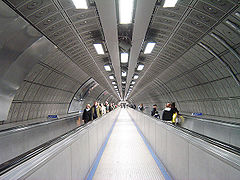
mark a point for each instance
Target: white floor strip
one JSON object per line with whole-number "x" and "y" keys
{"x": 126, "y": 156}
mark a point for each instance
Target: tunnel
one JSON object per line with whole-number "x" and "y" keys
{"x": 57, "y": 56}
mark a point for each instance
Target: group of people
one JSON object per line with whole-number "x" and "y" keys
{"x": 97, "y": 110}
{"x": 170, "y": 113}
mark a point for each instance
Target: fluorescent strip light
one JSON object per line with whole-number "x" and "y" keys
{"x": 124, "y": 57}
{"x": 133, "y": 82}
{"x": 107, "y": 67}
{"x": 170, "y": 3}
{"x": 140, "y": 67}
{"x": 99, "y": 48}
{"x": 111, "y": 77}
{"x": 80, "y": 4}
{"x": 114, "y": 82}
{"x": 135, "y": 76}
{"x": 124, "y": 74}
{"x": 149, "y": 47}
{"x": 125, "y": 11}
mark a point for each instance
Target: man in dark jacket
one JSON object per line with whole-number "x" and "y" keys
{"x": 154, "y": 110}
{"x": 94, "y": 111}
{"x": 87, "y": 114}
{"x": 167, "y": 113}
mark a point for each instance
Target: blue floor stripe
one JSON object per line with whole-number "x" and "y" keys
{"x": 95, "y": 165}
{"x": 159, "y": 164}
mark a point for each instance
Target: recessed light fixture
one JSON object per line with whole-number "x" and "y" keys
{"x": 140, "y": 67}
{"x": 124, "y": 74}
{"x": 107, "y": 67}
{"x": 170, "y": 3}
{"x": 149, "y": 47}
{"x": 80, "y": 4}
{"x": 111, "y": 77}
{"x": 135, "y": 76}
{"x": 124, "y": 57}
{"x": 99, "y": 48}
{"x": 125, "y": 11}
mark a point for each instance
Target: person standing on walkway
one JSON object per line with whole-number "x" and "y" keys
{"x": 87, "y": 114}
{"x": 95, "y": 110}
{"x": 167, "y": 113}
{"x": 154, "y": 110}
{"x": 103, "y": 108}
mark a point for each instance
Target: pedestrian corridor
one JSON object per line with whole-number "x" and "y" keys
{"x": 126, "y": 156}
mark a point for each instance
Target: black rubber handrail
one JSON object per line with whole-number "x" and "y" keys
{"x": 10, "y": 164}
{"x": 231, "y": 148}
{"x": 29, "y": 126}
{"x": 228, "y": 147}
{"x": 213, "y": 120}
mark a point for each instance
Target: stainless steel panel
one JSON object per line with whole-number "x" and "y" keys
{"x": 80, "y": 156}
{"x": 57, "y": 168}
{"x": 16, "y": 36}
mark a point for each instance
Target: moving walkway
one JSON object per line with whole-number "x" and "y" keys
{"x": 131, "y": 145}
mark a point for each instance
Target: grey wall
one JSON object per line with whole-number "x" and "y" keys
{"x": 71, "y": 158}
{"x": 193, "y": 77}
{"x": 36, "y": 77}
{"x": 184, "y": 156}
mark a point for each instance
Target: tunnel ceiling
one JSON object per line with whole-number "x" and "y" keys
{"x": 177, "y": 32}
{"x": 72, "y": 30}
{"x": 195, "y": 60}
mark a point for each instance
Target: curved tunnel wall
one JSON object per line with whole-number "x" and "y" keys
{"x": 198, "y": 82}
{"x": 205, "y": 78}
{"x": 46, "y": 79}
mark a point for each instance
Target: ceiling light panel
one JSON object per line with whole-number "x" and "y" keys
{"x": 124, "y": 74}
{"x": 111, "y": 77}
{"x": 80, "y": 4}
{"x": 140, "y": 67}
{"x": 124, "y": 57}
{"x": 99, "y": 48}
{"x": 170, "y": 3}
{"x": 135, "y": 76}
{"x": 149, "y": 47}
{"x": 107, "y": 67}
{"x": 125, "y": 11}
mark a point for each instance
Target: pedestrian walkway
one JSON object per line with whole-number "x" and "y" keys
{"x": 126, "y": 156}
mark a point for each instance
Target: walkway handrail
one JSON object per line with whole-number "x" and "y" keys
{"x": 215, "y": 142}
{"x": 32, "y": 125}
{"x": 12, "y": 163}
{"x": 221, "y": 122}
